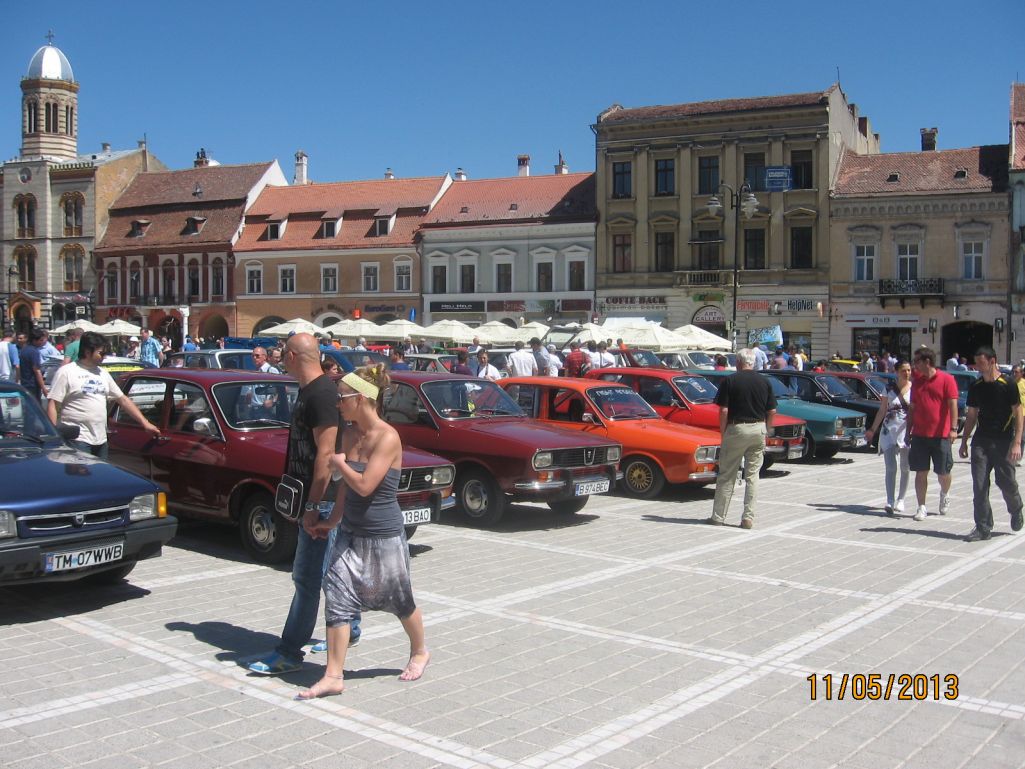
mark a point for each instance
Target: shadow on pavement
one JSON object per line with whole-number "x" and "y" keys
{"x": 520, "y": 518}
{"x": 213, "y": 539}
{"x": 928, "y": 532}
{"x": 877, "y": 512}
{"x": 688, "y": 521}
{"x": 42, "y": 601}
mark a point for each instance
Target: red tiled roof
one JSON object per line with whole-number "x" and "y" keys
{"x": 160, "y": 188}
{"x": 303, "y": 232}
{"x": 560, "y": 197}
{"x": 663, "y": 111}
{"x": 167, "y": 225}
{"x": 388, "y": 194}
{"x": 1018, "y": 126}
{"x": 924, "y": 172}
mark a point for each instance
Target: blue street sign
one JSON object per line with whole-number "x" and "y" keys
{"x": 777, "y": 178}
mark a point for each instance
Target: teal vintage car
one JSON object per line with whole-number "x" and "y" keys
{"x": 829, "y": 428}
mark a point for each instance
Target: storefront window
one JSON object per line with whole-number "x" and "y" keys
{"x": 799, "y": 340}
{"x": 875, "y": 340}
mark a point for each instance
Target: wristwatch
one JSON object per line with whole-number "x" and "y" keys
{"x": 320, "y": 507}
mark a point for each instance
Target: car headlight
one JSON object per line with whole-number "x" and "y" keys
{"x": 542, "y": 459}
{"x": 8, "y": 524}
{"x": 147, "y": 506}
{"x": 614, "y": 454}
{"x": 443, "y": 476}
{"x": 706, "y": 454}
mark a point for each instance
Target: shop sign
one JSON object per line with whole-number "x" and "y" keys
{"x": 883, "y": 320}
{"x": 794, "y": 304}
{"x": 711, "y": 315}
{"x": 384, "y": 308}
{"x": 753, "y": 305}
{"x": 635, "y": 301}
{"x": 122, "y": 311}
{"x": 767, "y": 335}
{"x": 574, "y": 305}
{"x": 457, "y": 307}
{"x": 710, "y": 297}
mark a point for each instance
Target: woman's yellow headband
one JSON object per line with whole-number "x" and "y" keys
{"x": 362, "y": 386}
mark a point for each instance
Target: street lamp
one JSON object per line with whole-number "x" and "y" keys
{"x": 744, "y": 200}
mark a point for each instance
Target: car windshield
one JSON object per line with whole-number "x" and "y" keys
{"x": 696, "y": 389}
{"x": 835, "y": 386}
{"x": 469, "y": 399}
{"x": 256, "y": 404}
{"x": 21, "y": 418}
{"x": 621, "y": 403}
{"x": 646, "y": 358}
{"x": 701, "y": 359}
{"x": 779, "y": 389}
{"x": 878, "y": 383}
{"x": 560, "y": 336}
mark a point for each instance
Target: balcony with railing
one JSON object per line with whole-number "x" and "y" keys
{"x": 917, "y": 288}
{"x": 703, "y": 278}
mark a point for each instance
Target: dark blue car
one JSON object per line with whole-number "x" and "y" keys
{"x": 65, "y": 515}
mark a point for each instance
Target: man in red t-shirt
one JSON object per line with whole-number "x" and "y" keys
{"x": 933, "y": 420}
{"x": 576, "y": 359}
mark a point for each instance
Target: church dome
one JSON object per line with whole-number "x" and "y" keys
{"x": 50, "y": 63}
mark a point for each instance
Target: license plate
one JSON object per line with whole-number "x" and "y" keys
{"x": 78, "y": 559}
{"x": 592, "y": 487}
{"x": 859, "y": 442}
{"x": 795, "y": 452}
{"x": 419, "y": 515}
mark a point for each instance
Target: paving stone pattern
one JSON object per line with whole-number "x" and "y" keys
{"x": 629, "y": 635}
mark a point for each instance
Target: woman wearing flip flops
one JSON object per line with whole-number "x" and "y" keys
{"x": 370, "y": 569}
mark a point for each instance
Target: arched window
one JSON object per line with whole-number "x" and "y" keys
{"x": 73, "y": 256}
{"x": 73, "y": 206}
{"x": 32, "y": 117}
{"x": 110, "y": 286}
{"x": 69, "y": 121}
{"x": 217, "y": 282}
{"x": 25, "y": 205}
{"x": 50, "y": 117}
{"x": 193, "y": 272}
{"x": 168, "y": 271}
{"x": 134, "y": 283}
{"x": 25, "y": 261}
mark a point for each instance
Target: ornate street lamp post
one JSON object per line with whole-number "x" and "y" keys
{"x": 744, "y": 200}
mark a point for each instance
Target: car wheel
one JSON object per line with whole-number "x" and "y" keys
{"x": 568, "y": 506}
{"x": 809, "y": 448}
{"x": 642, "y": 478}
{"x": 110, "y": 576}
{"x": 267, "y": 536}
{"x": 826, "y": 452}
{"x": 479, "y": 497}
{"x": 410, "y": 531}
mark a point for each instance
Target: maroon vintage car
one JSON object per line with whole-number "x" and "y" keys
{"x": 500, "y": 454}
{"x": 222, "y": 450}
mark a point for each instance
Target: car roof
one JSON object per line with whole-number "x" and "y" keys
{"x": 209, "y": 376}
{"x": 567, "y": 382}
{"x": 661, "y": 373}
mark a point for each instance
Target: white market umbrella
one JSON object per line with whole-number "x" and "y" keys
{"x": 497, "y": 332}
{"x": 81, "y": 324}
{"x": 355, "y": 328}
{"x": 592, "y": 332}
{"x": 535, "y": 328}
{"x": 398, "y": 330}
{"x": 650, "y": 336}
{"x": 696, "y": 338}
{"x": 294, "y": 326}
{"x": 451, "y": 331}
{"x": 118, "y": 327}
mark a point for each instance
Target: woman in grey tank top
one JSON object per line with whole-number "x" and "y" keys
{"x": 369, "y": 569}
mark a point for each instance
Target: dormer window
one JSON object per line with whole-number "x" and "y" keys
{"x": 276, "y": 226}
{"x": 893, "y": 177}
{"x": 194, "y": 224}
{"x": 328, "y": 228}
{"x": 383, "y": 225}
{"x": 961, "y": 173}
{"x": 139, "y": 227}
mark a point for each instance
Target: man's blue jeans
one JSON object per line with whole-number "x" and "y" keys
{"x": 308, "y": 568}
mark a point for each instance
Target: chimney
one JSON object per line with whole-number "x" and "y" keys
{"x": 561, "y": 167}
{"x": 106, "y": 147}
{"x": 523, "y": 165}
{"x": 389, "y": 174}
{"x": 201, "y": 160}
{"x": 863, "y": 126}
{"x": 929, "y": 139}
{"x": 300, "y": 168}
{"x": 460, "y": 175}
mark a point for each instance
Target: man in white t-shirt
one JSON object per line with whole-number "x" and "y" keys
{"x": 82, "y": 390}
{"x": 605, "y": 358}
{"x": 521, "y": 362}
{"x": 484, "y": 369}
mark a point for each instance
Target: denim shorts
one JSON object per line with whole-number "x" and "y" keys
{"x": 936, "y": 450}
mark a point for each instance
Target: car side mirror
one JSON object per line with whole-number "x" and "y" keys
{"x": 204, "y": 426}
{"x": 589, "y": 418}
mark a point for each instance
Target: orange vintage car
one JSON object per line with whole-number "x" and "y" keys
{"x": 654, "y": 451}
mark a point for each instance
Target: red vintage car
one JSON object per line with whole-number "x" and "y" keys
{"x": 689, "y": 399}
{"x": 222, "y": 448}
{"x": 500, "y": 454}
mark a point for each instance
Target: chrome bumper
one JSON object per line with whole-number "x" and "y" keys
{"x": 705, "y": 476}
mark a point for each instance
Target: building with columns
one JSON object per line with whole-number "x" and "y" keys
{"x": 662, "y": 253}
{"x": 55, "y": 201}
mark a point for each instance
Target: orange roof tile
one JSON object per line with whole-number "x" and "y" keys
{"x": 924, "y": 172}
{"x": 388, "y": 194}
{"x": 670, "y": 111}
{"x": 160, "y": 188}
{"x": 517, "y": 198}
{"x": 167, "y": 228}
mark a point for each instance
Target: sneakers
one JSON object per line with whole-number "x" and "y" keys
{"x": 898, "y": 507}
{"x": 1016, "y": 520}
{"x": 747, "y": 523}
{"x": 713, "y": 521}
{"x": 944, "y": 504}
{"x": 976, "y": 536}
{"x": 275, "y": 665}
{"x": 321, "y": 646}
{"x": 889, "y": 510}
{"x": 921, "y": 513}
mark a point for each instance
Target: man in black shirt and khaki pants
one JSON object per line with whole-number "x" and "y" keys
{"x": 746, "y": 409}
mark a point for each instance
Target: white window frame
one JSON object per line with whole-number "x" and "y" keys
{"x": 402, "y": 261}
{"x": 979, "y": 259}
{"x": 974, "y": 232}
{"x": 387, "y": 221}
{"x": 282, "y": 268}
{"x": 254, "y": 267}
{"x": 463, "y": 258}
{"x": 501, "y": 262}
{"x": 323, "y": 278}
{"x": 913, "y": 256}
{"x": 538, "y": 257}
{"x": 333, "y": 224}
{"x": 137, "y": 266}
{"x": 276, "y": 230}
{"x": 214, "y": 264}
{"x": 116, "y": 295}
{"x": 869, "y": 259}
{"x": 364, "y": 272}
{"x": 576, "y": 254}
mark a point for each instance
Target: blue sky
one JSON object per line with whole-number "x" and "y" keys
{"x": 425, "y": 88}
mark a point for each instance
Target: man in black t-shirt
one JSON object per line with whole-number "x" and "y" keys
{"x": 746, "y": 409}
{"x": 994, "y": 404}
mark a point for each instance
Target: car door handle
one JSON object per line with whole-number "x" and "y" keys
{"x": 161, "y": 438}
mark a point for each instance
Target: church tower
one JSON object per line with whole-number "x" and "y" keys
{"x": 49, "y": 106}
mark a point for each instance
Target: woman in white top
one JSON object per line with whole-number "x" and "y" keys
{"x": 894, "y": 440}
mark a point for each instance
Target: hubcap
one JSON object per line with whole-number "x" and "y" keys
{"x": 262, "y": 527}
{"x": 475, "y": 498}
{"x": 638, "y": 475}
